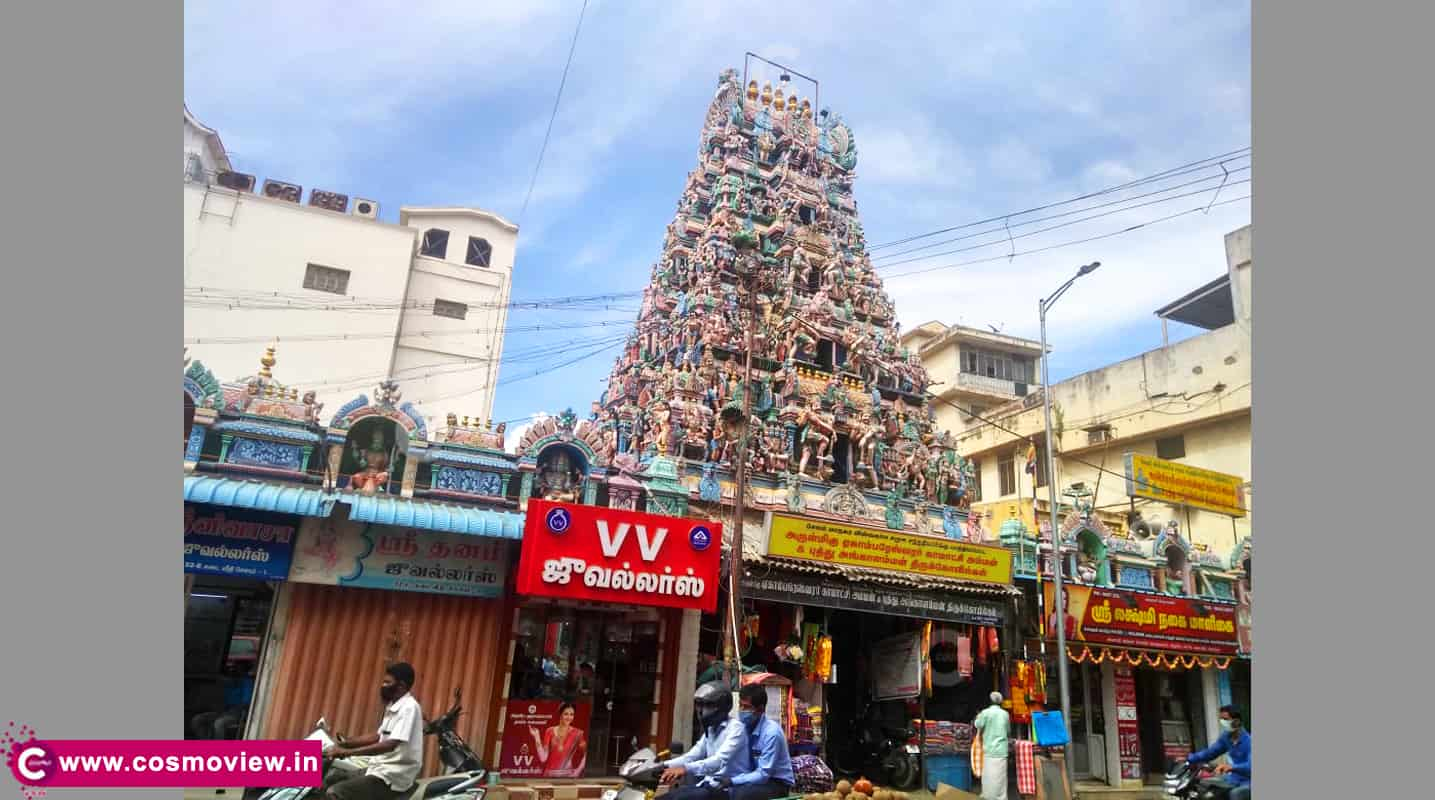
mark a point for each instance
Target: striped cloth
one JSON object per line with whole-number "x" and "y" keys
{"x": 977, "y": 756}
{"x": 1025, "y": 766}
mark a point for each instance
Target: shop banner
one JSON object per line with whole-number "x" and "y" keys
{"x": 608, "y": 555}
{"x": 532, "y": 745}
{"x": 894, "y": 551}
{"x": 1148, "y": 621}
{"x": 1180, "y": 484}
{"x": 238, "y": 543}
{"x": 897, "y": 667}
{"x": 339, "y": 552}
{"x": 833, "y": 593}
{"x": 1128, "y": 730}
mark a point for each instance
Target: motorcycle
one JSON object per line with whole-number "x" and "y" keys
{"x": 1188, "y": 782}
{"x": 641, "y": 774}
{"x": 464, "y": 776}
{"x": 874, "y": 748}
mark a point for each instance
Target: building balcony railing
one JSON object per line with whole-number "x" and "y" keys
{"x": 995, "y": 387}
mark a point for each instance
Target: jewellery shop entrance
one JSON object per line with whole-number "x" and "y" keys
{"x": 880, "y": 682}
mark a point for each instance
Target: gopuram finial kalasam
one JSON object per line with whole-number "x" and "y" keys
{"x": 766, "y": 239}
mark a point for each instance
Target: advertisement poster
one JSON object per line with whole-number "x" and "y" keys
{"x": 238, "y": 543}
{"x": 896, "y": 665}
{"x": 345, "y": 553}
{"x": 1151, "y": 621}
{"x": 1127, "y": 730}
{"x": 903, "y": 602}
{"x": 856, "y": 546}
{"x": 609, "y": 555}
{"x": 1180, "y": 484}
{"x": 544, "y": 739}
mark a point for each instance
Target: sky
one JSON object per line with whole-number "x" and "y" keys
{"x": 961, "y": 112}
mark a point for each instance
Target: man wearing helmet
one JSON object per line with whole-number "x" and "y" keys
{"x": 705, "y": 772}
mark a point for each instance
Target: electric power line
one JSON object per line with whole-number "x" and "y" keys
{"x": 551, "y": 117}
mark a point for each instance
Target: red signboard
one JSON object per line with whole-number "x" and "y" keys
{"x": 608, "y": 555}
{"x": 544, "y": 739}
{"x": 1147, "y": 621}
{"x": 1128, "y": 732}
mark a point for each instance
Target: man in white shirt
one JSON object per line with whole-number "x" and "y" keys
{"x": 393, "y": 754}
{"x": 706, "y": 771}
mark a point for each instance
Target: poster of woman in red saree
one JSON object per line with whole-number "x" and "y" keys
{"x": 562, "y": 749}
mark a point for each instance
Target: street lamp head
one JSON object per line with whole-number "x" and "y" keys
{"x": 1088, "y": 268}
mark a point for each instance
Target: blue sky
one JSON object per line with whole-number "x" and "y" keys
{"x": 961, "y": 111}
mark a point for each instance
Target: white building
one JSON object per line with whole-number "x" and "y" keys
{"x": 348, "y": 300}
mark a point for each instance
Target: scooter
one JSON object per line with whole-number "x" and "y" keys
{"x": 641, "y": 774}
{"x": 1186, "y": 782}
{"x": 463, "y": 779}
{"x": 878, "y": 750}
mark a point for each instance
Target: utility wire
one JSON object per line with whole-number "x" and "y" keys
{"x": 551, "y": 117}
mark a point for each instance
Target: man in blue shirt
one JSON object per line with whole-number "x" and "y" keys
{"x": 771, "y": 774}
{"x": 1234, "y": 743}
{"x": 706, "y": 771}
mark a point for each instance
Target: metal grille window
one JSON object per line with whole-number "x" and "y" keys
{"x": 450, "y": 309}
{"x": 975, "y": 490}
{"x": 326, "y": 279}
{"x": 1006, "y": 470}
{"x": 435, "y": 243}
{"x": 1004, "y": 366}
{"x": 480, "y": 252}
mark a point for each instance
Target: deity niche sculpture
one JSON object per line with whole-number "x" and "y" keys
{"x": 558, "y": 478}
{"x": 374, "y": 476}
{"x": 817, "y": 435}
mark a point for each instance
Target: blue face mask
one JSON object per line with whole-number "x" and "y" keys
{"x": 749, "y": 718}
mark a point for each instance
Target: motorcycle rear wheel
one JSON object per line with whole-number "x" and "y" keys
{"x": 904, "y": 774}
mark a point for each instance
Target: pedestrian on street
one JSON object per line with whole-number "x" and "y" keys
{"x": 994, "y": 725}
{"x": 771, "y": 774}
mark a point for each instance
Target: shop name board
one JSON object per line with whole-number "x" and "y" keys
{"x": 238, "y": 544}
{"x": 849, "y": 597}
{"x": 345, "y": 553}
{"x": 1132, "y": 619}
{"x": 856, "y": 546}
{"x": 610, "y": 555}
{"x": 1181, "y": 484}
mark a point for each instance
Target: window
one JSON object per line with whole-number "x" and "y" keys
{"x": 450, "y": 309}
{"x": 480, "y": 252}
{"x": 1006, "y": 470}
{"x": 1098, "y": 434}
{"x": 1041, "y": 465}
{"x": 326, "y": 279}
{"x": 435, "y": 243}
{"x": 1001, "y": 366}
{"x": 1171, "y": 448}
{"x": 975, "y": 489}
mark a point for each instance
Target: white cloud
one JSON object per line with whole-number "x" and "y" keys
{"x": 1014, "y": 160}
{"x": 514, "y": 434}
{"x": 912, "y": 153}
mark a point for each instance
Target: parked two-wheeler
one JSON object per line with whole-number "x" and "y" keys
{"x": 881, "y": 751}
{"x": 463, "y": 779}
{"x": 1188, "y": 782}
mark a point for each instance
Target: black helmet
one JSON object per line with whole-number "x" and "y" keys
{"x": 713, "y": 703}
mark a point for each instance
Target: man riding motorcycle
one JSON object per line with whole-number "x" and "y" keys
{"x": 706, "y": 771}
{"x": 1235, "y": 743}
{"x": 395, "y": 752}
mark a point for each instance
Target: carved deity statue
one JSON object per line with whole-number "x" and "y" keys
{"x": 375, "y": 474}
{"x": 559, "y": 480}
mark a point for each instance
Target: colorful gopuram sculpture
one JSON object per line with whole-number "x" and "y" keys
{"x": 766, "y": 253}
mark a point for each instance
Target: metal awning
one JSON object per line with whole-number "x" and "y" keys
{"x": 406, "y": 513}
{"x": 1209, "y": 307}
{"x": 257, "y": 495}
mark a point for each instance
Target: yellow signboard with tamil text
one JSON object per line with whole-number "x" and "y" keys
{"x": 857, "y": 546}
{"x": 1178, "y": 484}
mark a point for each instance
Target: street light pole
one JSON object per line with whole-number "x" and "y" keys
{"x": 1058, "y": 600}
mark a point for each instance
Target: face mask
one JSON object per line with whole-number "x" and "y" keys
{"x": 1227, "y": 725}
{"x": 389, "y": 693}
{"x": 749, "y": 718}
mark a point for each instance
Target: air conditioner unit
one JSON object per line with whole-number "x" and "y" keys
{"x": 238, "y": 181}
{"x": 1021, "y": 389}
{"x": 333, "y": 201}
{"x": 279, "y": 190}
{"x": 366, "y": 208}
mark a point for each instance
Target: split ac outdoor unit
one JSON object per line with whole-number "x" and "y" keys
{"x": 366, "y": 208}
{"x": 238, "y": 181}
{"x": 279, "y": 190}
{"x": 333, "y": 201}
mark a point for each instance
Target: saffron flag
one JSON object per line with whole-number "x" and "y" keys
{"x": 1031, "y": 459}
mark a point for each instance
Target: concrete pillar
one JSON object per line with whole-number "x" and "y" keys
{"x": 686, "y": 677}
{"x": 1108, "y": 713}
{"x": 1211, "y": 702}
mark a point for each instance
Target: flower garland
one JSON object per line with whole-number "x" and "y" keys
{"x": 1136, "y": 658}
